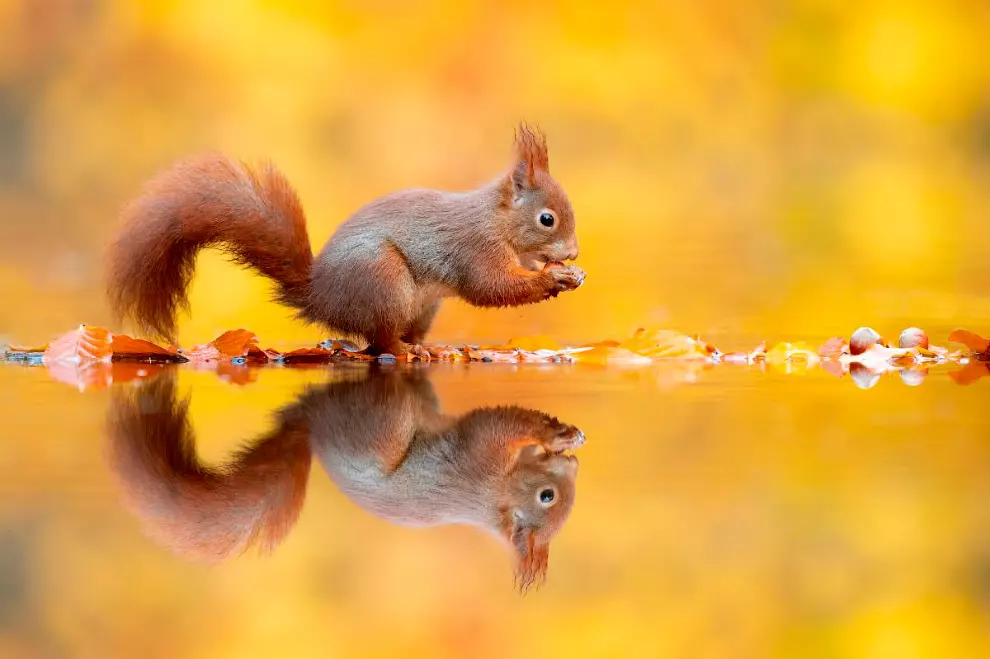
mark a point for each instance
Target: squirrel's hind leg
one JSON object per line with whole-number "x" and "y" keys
{"x": 369, "y": 294}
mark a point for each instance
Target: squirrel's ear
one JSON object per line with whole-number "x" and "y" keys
{"x": 531, "y": 559}
{"x": 530, "y": 157}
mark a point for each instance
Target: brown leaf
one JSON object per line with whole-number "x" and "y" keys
{"x": 971, "y": 340}
{"x": 125, "y": 347}
{"x": 83, "y": 344}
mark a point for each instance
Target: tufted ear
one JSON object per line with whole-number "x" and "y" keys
{"x": 531, "y": 560}
{"x": 530, "y": 157}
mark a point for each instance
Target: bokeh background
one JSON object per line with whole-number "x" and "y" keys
{"x": 806, "y": 168}
{"x": 781, "y": 171}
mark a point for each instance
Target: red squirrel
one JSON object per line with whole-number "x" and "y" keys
{"x": 384, "y": 442}
{"x": 381, "y": 275}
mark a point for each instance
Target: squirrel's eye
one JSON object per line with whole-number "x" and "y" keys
{"x": 547, "y": 219}
{"x": 546, "y": 496}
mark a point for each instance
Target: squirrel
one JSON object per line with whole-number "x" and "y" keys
{"x": 381, "y": 275}
{"x": 382, "y": 440}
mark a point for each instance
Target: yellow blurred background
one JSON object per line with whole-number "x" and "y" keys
{"x": 806, "y": 168}
{"x": 780, "y": 171}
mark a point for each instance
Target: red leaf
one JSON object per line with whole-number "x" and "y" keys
{"x": 971, "y": 340}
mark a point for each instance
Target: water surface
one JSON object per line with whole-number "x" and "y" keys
{"x": 718, "y": 511}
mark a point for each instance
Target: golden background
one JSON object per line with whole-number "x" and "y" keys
{"x": 744, "y": 170}
{"x": 803, "y": 167}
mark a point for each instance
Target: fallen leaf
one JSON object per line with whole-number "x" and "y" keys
{"x": 784, "y": 351}
{"x": 833, "y": 348}
{"x": 971, "y": 340}
{"x": 83, "y": 344}
{"x": 607, "y": 355}
{"x": 94, "y": 376}
{"x": 124, "y": 347}
{"x": 235, "y": 343}
{"x": 666, "y": 344}
{"x": 533, "y": 343}
{"x": 609, "y": 343}
{"x": 13, "y": 348}
{"x": 970, "y": 373}
{"x": 309, "y": 355}
{"x": 833, "y": 367}
{"x": 497, "y": 355}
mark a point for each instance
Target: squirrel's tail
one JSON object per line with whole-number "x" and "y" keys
{"x": 253, "y": 214}
{"x": 204, "y": 513}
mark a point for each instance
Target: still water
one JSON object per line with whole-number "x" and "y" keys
{"x": 679, "y": 510}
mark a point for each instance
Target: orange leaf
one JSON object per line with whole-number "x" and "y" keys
{"x": 13, "y": 348}
{"x": 666, "y": 344}
{"x": 94, "y": 376}
{"x": 83, "y": 344}
{"x": 971, "y": 340}
{"x": 609, "y": 343}
{"x": 970, "y": 373}
{"x": 833, "y": 348}
{"x": 784, "y": 351}
{"x": 236, "y": 374}
{"x": 235, "y": 343}
{"x": 607, "y": 355}
{"x": 535, "y": 342}
{"x": 126, "y": 347}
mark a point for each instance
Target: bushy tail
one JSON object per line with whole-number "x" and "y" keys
{"x": 252, "y": 214}
{"x": 204, "y": 513}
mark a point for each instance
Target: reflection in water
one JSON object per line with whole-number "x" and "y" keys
{"x": 383, "y": 441}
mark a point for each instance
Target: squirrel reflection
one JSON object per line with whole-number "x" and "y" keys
{"x": 384, "y": 443}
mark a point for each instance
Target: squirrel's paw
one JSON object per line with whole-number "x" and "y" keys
{"x": 566, "y": 438}
{"x": 567, "y": 277}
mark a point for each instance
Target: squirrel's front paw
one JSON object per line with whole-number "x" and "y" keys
{"x": 565, "y": 438}
{"x": 566, "y": 277}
